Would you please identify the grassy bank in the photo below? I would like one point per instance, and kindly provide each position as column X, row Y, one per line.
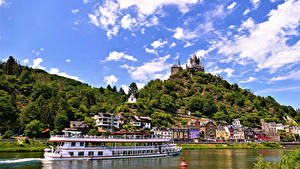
column 231, row 146
column 21, row 146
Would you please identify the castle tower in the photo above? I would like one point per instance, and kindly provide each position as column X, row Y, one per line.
column 196, row 64
column 175, row 68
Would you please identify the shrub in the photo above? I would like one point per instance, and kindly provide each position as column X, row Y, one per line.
column 8, row 134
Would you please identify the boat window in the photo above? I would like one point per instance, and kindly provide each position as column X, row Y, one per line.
column 80, row 153
column 91, row 153
column 100, row 153
column 73, row 144
column 71, row 153
column 125, row 152
column 81, row 144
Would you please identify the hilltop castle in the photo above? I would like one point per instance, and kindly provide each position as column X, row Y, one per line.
column 196, row 65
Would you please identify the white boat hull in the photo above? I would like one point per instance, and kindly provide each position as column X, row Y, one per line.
column 109, row 157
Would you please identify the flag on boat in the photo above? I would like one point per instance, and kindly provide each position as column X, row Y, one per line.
column 44, row 131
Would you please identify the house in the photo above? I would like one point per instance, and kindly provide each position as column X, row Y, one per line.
column 194, row 134
column 163, row 132
column 180, row 134
column 236, row 123
column 271, row 130
column 260, row 136
column 209, row 129
column 141, row 122
column 238, row 135
column 248, row 134
column 131, row 99
column 222, row 134
column 108, row 121
column 78, row 125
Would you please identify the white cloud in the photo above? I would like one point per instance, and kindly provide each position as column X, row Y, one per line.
column 158, row 43
column 152, row 51
column 187, row 44
column 251, row 79
column 110, row 80
column 140, row 85
column 112, row 32
column 74, row 11
column 246, row 11
column 125, row 88
column 201, row 29
column 127, row 21
column 217, row 71
column 2, row 2
column 86, row 1
column 266, row 42
column 172, row 45
column 248, row 24
column 129, row 68
column 255, row 3
column 119, row 55
column 147, row 7
column 107, row 14
column 37, row 62
column 231, row 6
column 181, row 34
column 26, row 61
column 68, row 60
column 56, row 71
column 295, row 75
column 150, row 70
column 269, row 90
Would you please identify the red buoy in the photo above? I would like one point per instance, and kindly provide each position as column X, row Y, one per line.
column 183, row 163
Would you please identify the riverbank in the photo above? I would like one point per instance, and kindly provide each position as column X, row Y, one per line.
column 21, row 146
column 39, row 146
column 265, row 145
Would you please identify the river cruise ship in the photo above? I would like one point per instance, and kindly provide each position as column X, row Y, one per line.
column 73, row 145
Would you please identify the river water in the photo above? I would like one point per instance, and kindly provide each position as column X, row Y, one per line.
column 215, row 159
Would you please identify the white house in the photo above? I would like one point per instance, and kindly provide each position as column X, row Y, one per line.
column 131, row 99
column 107, row 121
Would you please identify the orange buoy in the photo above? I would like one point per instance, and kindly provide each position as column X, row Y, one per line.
column 183, row 163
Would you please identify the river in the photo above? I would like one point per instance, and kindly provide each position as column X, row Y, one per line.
column 215, row 159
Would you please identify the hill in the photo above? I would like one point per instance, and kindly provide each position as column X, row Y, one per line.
column 28, row 94
column 33, row 98
column 206, row 95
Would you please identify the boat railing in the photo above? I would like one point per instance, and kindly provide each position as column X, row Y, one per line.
column 109, row 137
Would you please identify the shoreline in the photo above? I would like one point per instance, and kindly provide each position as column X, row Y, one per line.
column 39, row 146
column 254, row 146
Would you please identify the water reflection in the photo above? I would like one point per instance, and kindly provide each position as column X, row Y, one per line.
column 195, row 159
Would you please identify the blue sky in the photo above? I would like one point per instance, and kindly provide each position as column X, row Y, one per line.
column 254, row 43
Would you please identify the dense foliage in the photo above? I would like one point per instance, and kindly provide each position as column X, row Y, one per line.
column 32, row 100
column 206, row 95
column 287, row 161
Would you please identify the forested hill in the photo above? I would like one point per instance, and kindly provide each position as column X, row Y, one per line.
column 27, row 95
column 32, row 96
column 206, row 95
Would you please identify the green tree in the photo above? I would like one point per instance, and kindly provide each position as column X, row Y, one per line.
column 133, row 89
column 61, row 121
column 93, row 132
column 34, row 129
column 167, row 103
column 8, row 134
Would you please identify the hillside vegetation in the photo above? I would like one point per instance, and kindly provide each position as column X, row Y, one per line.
column 32, row 99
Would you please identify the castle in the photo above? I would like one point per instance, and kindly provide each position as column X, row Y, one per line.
column 195, row 62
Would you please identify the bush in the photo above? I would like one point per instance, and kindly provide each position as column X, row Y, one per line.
column 26, row 140
column 93, row 132
column 8, row 134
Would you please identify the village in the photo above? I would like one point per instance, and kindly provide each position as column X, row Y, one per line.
column 197, row 129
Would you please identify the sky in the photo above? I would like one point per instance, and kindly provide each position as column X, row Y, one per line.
column 254, row 43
